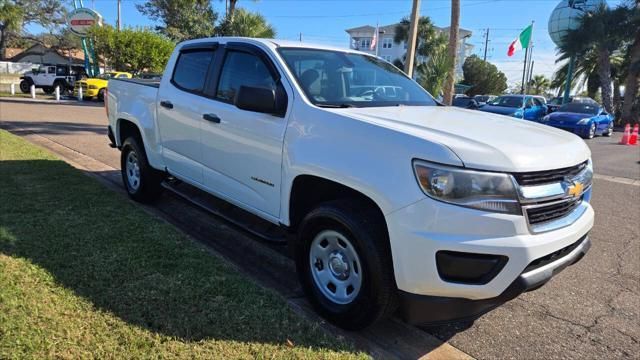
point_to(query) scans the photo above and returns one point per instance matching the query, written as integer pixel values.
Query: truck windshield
(341, 79)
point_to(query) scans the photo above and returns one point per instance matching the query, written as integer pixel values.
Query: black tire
(148, 188)
(101, 95)
(25, 86)
(609, 130)
(59, 84)
(364, 228)
(592, 131)
(48, 90)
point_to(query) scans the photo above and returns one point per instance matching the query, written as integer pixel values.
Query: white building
(361, 37)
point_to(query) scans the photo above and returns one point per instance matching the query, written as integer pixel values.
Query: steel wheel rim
(610, 129)
(592, 130)
(132, 168)
(335, 267)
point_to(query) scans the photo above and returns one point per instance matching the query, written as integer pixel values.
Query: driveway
(590, 311)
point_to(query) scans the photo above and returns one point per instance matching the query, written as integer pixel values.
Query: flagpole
(526, 56)
(376, 37)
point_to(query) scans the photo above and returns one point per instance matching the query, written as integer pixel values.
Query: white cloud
(544, 63)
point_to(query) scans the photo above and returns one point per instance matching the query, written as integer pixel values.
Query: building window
(365, 43)
(387, 57)
(387, 43)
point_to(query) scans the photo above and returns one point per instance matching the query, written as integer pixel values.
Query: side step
(229, 212)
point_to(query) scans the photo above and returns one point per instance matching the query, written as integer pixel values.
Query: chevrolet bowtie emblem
(575, 189)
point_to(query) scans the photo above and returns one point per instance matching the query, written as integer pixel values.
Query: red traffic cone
(633, 140)
(625, 135)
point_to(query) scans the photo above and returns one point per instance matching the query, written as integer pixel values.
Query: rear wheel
(609, 130)
(343, 260)
(141, 181)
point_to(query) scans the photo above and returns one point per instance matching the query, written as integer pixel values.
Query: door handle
(166, 104)
(211, 117)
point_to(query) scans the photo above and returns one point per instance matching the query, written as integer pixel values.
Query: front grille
(554, 210)
(548, 176)
(540, 262)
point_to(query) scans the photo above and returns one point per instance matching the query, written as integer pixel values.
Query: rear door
(242, 150)
(181, 103)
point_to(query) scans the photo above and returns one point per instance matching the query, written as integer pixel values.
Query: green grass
(86, 273)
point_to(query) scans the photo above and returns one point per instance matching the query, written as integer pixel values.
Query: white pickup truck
(391, 200)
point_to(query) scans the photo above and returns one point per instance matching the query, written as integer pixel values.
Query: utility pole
(413, 34)
(300, 37)
(486, 44)
(119, 18)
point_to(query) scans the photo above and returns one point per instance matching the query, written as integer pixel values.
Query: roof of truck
(275, 43)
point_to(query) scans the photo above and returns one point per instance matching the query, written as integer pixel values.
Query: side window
(538, 102)
(121, 76)
(51, 70)
(240, 69)
(191, 70)
(529, 102)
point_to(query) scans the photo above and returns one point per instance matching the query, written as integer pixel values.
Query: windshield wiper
(335, 106)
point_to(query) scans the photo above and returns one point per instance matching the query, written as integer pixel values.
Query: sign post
(80, 21)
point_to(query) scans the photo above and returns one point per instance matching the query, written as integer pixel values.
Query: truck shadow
(132, 265)
(52, 127)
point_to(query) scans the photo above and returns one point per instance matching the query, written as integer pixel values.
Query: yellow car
(95, 87)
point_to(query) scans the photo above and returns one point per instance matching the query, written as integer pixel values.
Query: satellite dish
(566, 17)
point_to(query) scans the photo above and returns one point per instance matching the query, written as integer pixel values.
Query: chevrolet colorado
(391, 200)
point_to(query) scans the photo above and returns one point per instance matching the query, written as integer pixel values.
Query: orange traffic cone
(625, 135)
(633, 140)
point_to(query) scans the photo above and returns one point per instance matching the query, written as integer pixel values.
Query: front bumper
(434, 310)
(580, 130)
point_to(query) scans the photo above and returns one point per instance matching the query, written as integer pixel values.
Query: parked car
(556, 102)
(519, 106)
(483, 99)
(388, 197)
(583, 119)
(465, 102)
(47, 77)
(96, 87)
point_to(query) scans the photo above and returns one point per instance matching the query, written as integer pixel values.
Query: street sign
(81, 19)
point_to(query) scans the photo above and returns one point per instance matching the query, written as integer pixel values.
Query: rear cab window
(191, 69)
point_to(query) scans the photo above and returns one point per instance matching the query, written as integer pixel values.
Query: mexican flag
(522, 41)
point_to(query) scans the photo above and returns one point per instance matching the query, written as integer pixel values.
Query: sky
(324, 22)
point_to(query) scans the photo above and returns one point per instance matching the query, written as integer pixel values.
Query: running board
(228, 212)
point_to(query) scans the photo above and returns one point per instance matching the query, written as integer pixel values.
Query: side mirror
(260, 100)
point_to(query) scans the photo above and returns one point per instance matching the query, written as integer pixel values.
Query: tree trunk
(453, 51)
(604, 72)
(616, 99)
(3, 41)
(631, 83)
(232, 9)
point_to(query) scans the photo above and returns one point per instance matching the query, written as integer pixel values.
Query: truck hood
(481, 140)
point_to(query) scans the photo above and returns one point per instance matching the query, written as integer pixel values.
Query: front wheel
(592, 131)
(25, 86)
(101, 95)
(141, 181)
(609, 130)
(343, 260)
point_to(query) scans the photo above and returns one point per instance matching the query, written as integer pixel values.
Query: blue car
(584, 119)
(525, 107)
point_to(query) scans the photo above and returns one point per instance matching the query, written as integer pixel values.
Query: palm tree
(539, 84)
(432, 74)
(632, 62)
(429, 41)
(248, 24)
(597, 32)
(452, 50)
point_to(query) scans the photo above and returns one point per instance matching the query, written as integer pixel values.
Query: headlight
(93, 87)
(584, 121)
(475, 189)
(546, 118)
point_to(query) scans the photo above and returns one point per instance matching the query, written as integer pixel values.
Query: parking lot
(591, 310)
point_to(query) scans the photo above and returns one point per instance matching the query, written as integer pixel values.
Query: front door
(179, 113)
(242, 150)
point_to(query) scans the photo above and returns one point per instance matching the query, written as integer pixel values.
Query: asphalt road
(590, 311)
